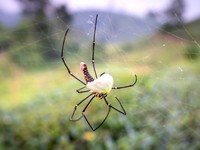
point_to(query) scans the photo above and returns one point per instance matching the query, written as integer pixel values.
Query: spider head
(100, 96)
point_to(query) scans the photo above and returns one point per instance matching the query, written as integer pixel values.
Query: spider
(98, 87)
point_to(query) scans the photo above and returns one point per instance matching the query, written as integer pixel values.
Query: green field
(162, 108)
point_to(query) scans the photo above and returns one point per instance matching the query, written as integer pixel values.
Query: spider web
(168, 83)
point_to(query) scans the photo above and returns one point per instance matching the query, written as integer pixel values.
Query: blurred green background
(37, 95)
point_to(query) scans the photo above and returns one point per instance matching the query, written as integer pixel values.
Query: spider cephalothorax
(98, 88)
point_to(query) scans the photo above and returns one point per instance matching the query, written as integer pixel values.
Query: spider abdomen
(88, 77)
(102, 84)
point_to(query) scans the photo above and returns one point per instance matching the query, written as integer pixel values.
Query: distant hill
(113, 27)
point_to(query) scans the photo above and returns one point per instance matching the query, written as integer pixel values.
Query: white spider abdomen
(102, 84)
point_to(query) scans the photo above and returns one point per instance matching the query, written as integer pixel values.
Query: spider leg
(121, 87)
(72, 116)
(63, 59)
(93, 46)
(88, 120)
(109, 108)
(83, 91)
(123, 110)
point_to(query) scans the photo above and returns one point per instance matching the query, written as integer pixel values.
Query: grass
(161, 112)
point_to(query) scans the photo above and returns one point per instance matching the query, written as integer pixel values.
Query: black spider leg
(71, 118)
(82, 91)
(121, 87)
(88, 120)
(110, 106)
(93, 46)
(63, 59)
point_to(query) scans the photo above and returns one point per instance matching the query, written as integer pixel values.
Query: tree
(36, 11)
(174, 14)
(63, 13)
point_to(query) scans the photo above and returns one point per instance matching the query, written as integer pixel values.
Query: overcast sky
(135, 7)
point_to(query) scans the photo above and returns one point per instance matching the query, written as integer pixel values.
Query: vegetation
(192, 51)
(162, 108)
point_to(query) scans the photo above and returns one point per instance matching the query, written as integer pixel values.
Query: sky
(131, 7)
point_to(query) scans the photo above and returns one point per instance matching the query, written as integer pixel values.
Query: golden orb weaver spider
(98, 87)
